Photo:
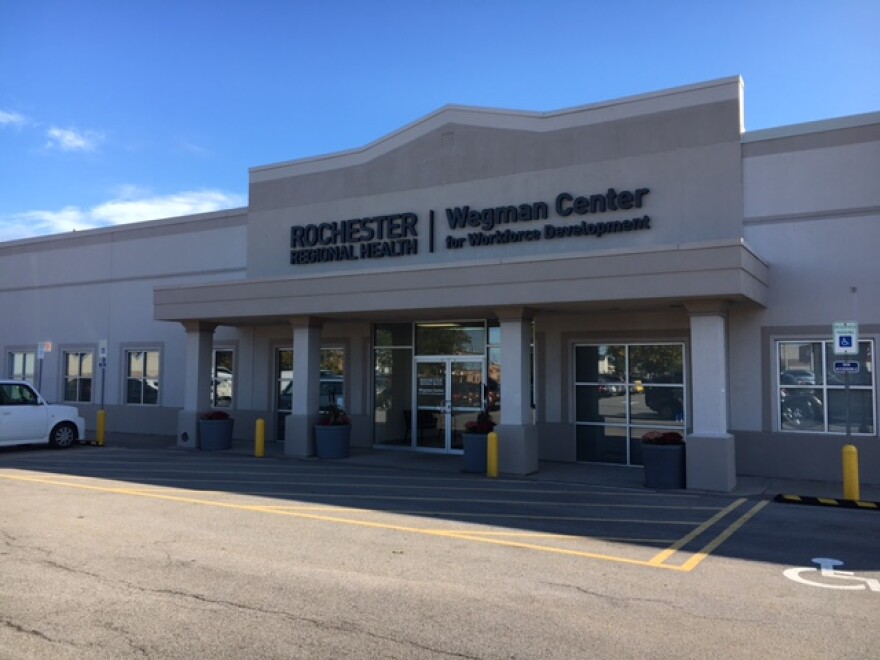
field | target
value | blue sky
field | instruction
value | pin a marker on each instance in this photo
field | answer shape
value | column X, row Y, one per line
column 115, row 111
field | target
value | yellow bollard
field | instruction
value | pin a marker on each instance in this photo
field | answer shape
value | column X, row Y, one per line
column 101, row 427
column 260, row 438
column 850, row 473
column 492, row 455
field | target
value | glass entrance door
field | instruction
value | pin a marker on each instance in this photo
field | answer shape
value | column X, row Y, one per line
column 449, row 393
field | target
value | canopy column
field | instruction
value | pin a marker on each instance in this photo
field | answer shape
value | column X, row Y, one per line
column 711, row 455
column 518, row 437
column 197, row 380
column 299, row 436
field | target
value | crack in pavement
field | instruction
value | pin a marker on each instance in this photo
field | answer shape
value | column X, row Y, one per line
column 177, row 593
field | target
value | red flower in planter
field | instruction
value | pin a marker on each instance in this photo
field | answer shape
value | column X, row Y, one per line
column 483, row 424
column 214, row 415
column 663, row 438
column 334, row 416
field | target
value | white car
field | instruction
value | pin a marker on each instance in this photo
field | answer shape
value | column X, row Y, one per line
column 26, row 418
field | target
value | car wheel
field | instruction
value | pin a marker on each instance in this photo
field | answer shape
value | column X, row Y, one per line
column 62, row 436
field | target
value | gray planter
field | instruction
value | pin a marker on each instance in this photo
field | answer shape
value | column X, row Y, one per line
column 475, row 452
column 332, row 441
column 215, row 434
column 665, row 465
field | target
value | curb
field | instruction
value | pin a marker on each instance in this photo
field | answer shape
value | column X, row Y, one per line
column 827, row 501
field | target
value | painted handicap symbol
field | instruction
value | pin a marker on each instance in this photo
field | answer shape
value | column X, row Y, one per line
column 827, row 570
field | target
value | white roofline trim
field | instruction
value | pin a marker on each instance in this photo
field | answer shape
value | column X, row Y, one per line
column 820, row 126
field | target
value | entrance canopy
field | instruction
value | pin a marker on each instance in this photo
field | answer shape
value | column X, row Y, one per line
column 653, row 278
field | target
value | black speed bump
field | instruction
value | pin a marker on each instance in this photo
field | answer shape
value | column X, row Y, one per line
column 827, row 501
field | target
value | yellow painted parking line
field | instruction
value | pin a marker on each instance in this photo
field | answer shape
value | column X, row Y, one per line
column 464, row 535
column 696, row 558
column 684, row 540
column 694, row 561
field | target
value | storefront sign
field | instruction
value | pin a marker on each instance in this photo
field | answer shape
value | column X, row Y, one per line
column 360, row 238
column 566, row 205
column 397, row 235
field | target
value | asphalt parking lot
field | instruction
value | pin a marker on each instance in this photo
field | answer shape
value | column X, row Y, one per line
column 670, row 530
column 117, row 522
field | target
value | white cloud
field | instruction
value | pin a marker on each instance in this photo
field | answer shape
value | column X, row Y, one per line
column 131, row 205
column 194, row 149
column 69, row 139
column 122, row 211
column 12, row 119
column 38, row 223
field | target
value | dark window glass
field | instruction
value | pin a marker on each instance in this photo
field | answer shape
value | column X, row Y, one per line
column 452, row 338
column 394, row 334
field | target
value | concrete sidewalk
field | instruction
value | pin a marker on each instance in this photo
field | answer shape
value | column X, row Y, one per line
column 611, row 476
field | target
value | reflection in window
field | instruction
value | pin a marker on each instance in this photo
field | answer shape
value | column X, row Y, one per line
column 332, row 382
column 451, row 338
column 142, row 377
column 78, row 376
column 392, row 395
column 222, row 370
column 623, row 391
column 394, row 334
column 812, row 397
column 332, row 377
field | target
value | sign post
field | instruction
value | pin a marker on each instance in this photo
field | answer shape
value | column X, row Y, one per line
column 102, row 414
column 42, row 348
column 846, row 342
column 102, row 362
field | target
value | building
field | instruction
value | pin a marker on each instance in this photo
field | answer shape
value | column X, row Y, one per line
column 588, row 275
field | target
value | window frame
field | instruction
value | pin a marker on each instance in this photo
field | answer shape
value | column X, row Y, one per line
column 632, row 385
column 80, row 354
column 128, row 351
column 822, row 384
column 26, row 356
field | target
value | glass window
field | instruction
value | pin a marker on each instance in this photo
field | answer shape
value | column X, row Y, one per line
column 659, row 363
column 494, row 333
column 812, row 397
column 21, row 365
column 451, row 338
column 493, row 381
column 284, row 379
column 623, row 391
column 222, row 371
column 394, row 334
column 142, row 377
column 392, row 396
column 78, row 376
column 332, row 377
column 332, row 381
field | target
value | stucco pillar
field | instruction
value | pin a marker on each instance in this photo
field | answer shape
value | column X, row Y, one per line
column 517, row 435
column 711, row 455
column 299, row 437
column 196, row 381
